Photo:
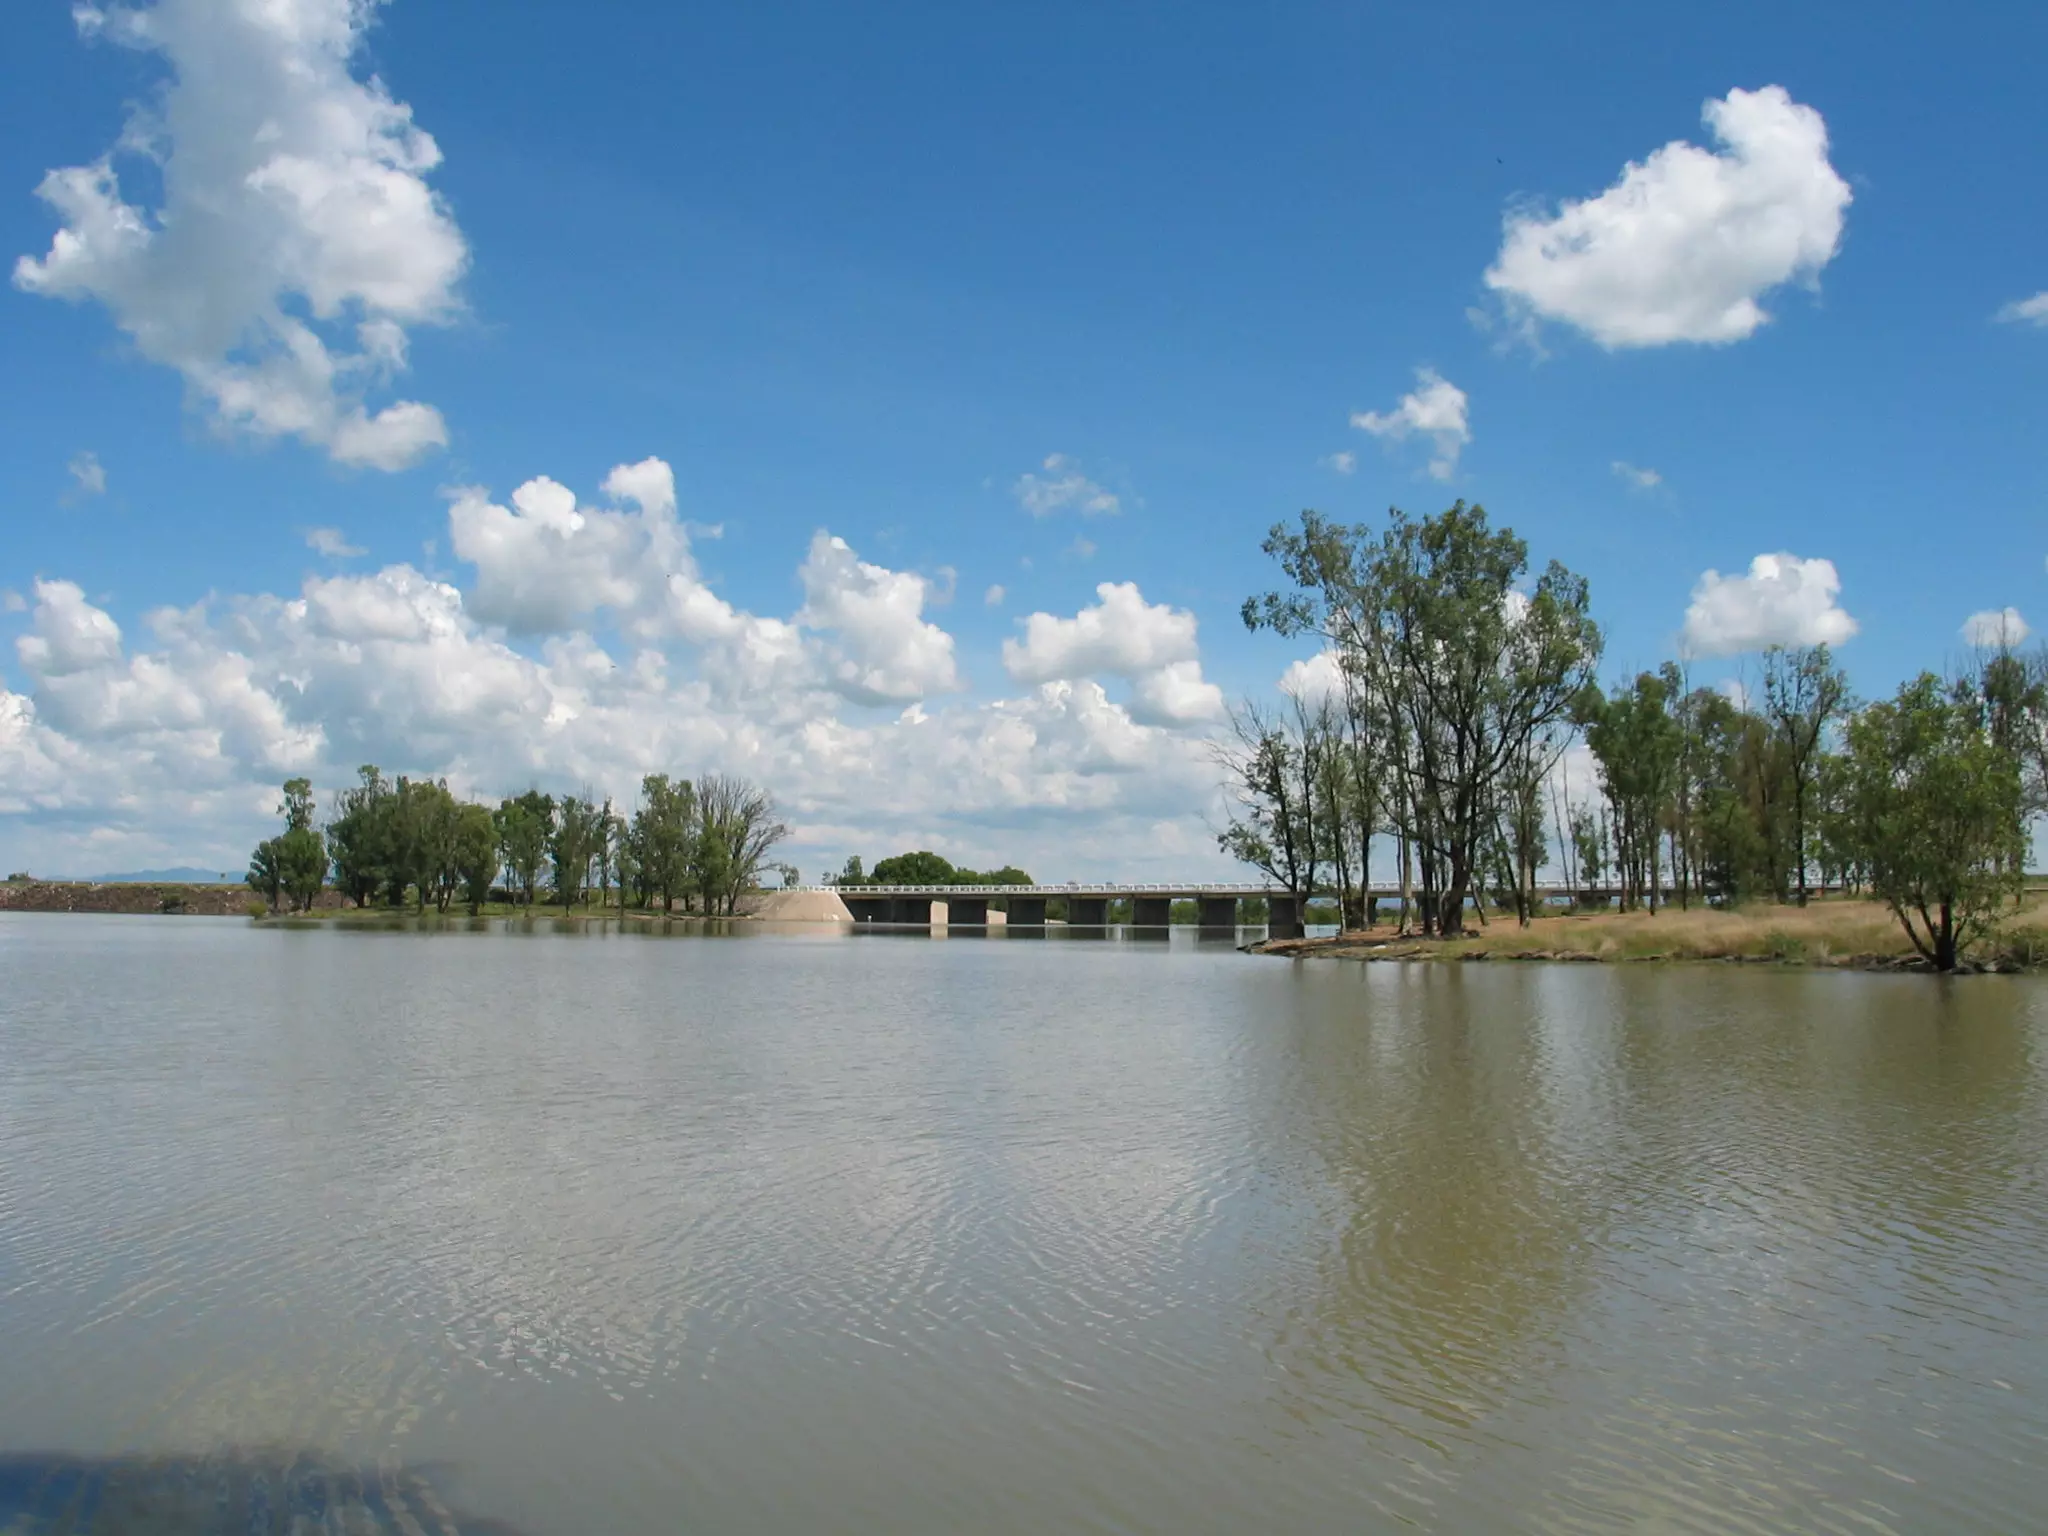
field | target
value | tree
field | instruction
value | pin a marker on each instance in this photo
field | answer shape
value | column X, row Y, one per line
column 524, row 826
column 577, row 836
column 360, row 836
column 1805, row 693
column 737, row 827
column 663, row 835
column 1458, row 669
column 920, row 868
column 476, row 853
column 1638, row 745
column 1937, row 810
column 1270, row 776
column 852, row 873
column 293, row 865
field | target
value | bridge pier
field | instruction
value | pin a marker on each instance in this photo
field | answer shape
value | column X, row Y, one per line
column 1027, row 912
column 1283, row 919
column 1088, row 911
column 1151, row 911
column 967, row 912
column 1218, row 914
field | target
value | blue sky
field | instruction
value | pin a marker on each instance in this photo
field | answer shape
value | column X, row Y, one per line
column 857, row 273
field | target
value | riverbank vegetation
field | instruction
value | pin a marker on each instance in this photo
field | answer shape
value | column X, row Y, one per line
column 925, row 868
column 690, row 846
column 1459, row 686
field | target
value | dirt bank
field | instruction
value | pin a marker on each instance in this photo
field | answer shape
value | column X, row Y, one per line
column 77, row 896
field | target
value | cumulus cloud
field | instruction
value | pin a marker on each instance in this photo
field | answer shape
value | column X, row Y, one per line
column 1434, row 409
column 88, row 475
column 1995, row 628
column 1063, row 488
column 1688, row 242
column 296, row 238
column 1314, row 678
column 2032, row 311
column 173, row 744
column 1783, row 600
column 1152, row 645
column 883, row 649
column 331, row 543
column 1641, row 479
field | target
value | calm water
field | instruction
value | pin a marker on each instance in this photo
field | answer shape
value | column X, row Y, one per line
column 589, row 1233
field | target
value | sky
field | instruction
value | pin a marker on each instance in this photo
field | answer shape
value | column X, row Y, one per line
column 887, row 403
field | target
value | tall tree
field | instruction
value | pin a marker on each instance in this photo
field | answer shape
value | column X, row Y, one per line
column 1937, row 811
column 476, row 853
column 525, row 824
column 1805, row 693
column 664, row 832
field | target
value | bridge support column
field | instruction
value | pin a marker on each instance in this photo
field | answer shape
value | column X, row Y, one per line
column 967, row 912
column 911, row 909
column 1151, row 911
column 1027, row 912
column 1284, row 917
column 1088, row 911
column 1218, row 914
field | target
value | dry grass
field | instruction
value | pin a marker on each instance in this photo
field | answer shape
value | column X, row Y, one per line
column 1835, row 932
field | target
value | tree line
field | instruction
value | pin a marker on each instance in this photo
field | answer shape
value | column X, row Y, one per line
column 926, row 868
column 698, row 845
column 1461, row 686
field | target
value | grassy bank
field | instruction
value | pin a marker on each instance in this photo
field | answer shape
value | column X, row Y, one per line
column 1835, row 932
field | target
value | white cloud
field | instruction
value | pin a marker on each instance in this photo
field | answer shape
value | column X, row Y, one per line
column 1784, row 600
column 1995, row 628
column 1081, row 549
column 1685, row 245
column 993, row 597
column 88, row 475
column 1063, row 488
column 1641, row 479
column 1314, row 678
column 1341, row 463
column 1436, row 410
column 171, row 746
column 884, row 650
column 2032, row 311
column 1121, row 635
column 296, row 238
column 332, row 543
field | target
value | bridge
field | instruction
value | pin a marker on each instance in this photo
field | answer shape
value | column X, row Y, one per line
column 967, row 906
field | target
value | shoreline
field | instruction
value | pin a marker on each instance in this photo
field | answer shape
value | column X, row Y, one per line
column 1837, row 934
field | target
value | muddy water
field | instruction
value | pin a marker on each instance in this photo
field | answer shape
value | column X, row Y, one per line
column 569, row 1232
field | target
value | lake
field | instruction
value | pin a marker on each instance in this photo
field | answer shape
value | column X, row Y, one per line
column 580, row 1231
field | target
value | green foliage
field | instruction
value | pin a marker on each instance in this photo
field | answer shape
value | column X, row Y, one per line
column 525, row 823
column 291, row 868
column 578, row 834
column 476, row 853
column 362, row 837
column 1934, row 807
column 662, row 838
column 927, row 868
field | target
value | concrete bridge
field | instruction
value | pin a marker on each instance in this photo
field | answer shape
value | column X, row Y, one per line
column 967, row 906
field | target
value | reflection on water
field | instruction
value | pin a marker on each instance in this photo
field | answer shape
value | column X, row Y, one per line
column 624, row 1232
column 238, row 1491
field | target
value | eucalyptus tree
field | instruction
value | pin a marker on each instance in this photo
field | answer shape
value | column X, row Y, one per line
column 572, row 844
column 1936, row 809
column 737, row 828
column 291, row 867
column 525, row 823
column 360, row 836
column 1460, row 670
column 1638, row 744
column 476, row 853
column 1271, row 772
column 1805, row 693
column 664, row 836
